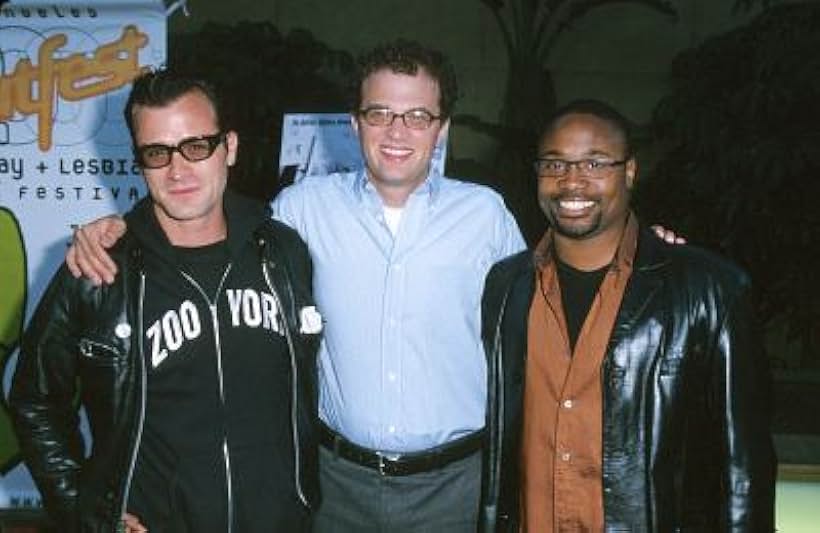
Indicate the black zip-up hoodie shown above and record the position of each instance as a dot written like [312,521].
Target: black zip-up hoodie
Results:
[253,379]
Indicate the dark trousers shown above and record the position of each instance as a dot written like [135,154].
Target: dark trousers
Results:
[356,499]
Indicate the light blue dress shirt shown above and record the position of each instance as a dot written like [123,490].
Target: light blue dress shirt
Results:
[401,366]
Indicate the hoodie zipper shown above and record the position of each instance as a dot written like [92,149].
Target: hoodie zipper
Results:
[212,305]
[294,373]
[143,388]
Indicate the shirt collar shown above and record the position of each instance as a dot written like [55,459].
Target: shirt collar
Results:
[624,255]
[430,187]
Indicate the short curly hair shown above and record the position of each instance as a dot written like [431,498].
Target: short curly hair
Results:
[407,57]
[596,108]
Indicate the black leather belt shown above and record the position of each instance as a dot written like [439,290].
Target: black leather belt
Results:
[401,464]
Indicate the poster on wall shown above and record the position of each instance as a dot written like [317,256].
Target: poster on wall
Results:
[65,153]
[317,144]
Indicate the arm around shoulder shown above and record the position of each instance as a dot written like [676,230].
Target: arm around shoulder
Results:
[88,256]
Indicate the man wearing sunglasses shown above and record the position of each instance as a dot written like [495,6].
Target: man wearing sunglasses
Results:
[400,256]
[196,365]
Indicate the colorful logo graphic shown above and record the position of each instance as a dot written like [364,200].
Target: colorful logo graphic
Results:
[12,311]
[42,75]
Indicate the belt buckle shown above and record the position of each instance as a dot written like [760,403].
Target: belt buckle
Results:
[389,465]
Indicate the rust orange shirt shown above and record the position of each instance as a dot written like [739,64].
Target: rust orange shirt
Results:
[562,488]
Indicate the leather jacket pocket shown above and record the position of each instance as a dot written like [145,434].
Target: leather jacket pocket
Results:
[99,352]
[671,364]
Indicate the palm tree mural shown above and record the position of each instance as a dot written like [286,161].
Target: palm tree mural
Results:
[530,30]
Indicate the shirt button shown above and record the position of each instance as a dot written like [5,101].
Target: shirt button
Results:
[567,404]
[565,456]
[391,376]
[391,429]
[397,266]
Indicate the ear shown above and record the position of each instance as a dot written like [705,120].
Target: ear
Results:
[232,143]
[631,168]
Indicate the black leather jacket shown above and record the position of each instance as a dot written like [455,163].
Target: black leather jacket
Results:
[75,346]
[686,397]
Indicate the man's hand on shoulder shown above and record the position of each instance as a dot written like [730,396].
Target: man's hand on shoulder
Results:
[132,524]
[87,256]
[668,235]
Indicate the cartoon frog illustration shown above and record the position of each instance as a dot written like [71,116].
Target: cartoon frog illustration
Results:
[12,311]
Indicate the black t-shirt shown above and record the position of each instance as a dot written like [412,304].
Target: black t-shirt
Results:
[578,289]
[217,424]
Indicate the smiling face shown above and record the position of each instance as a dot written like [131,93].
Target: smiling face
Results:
[586,207]
[187,195]
[398,158]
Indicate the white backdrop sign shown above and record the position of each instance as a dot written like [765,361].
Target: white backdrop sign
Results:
[65,154]
[323,143]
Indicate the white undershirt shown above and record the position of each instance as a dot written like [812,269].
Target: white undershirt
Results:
[392,216]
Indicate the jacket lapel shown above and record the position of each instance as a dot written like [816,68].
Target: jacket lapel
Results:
[643,286]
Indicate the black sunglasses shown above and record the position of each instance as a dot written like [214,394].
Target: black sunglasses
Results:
[191,148]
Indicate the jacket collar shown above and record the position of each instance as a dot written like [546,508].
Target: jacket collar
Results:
[624,258]
[644,284]
[243,216]
[650,255]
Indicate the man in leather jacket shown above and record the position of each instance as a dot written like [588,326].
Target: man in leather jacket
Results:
[196,367]
[627,387]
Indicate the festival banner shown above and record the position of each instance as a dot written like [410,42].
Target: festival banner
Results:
[65,153]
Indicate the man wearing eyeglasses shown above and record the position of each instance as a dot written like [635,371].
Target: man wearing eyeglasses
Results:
[400,255]
[196,365]
[632,394]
